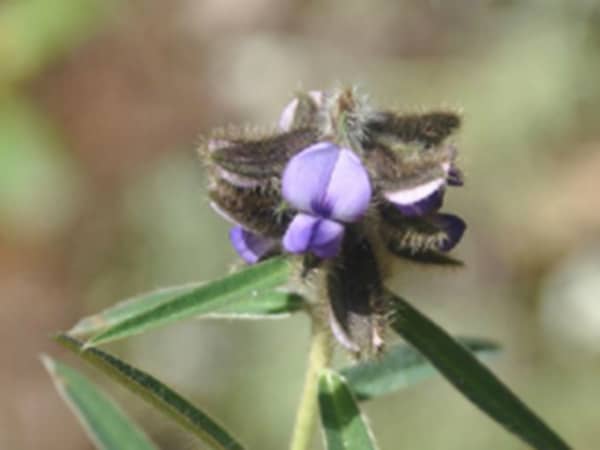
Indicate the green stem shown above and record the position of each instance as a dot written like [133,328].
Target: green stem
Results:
[318,359]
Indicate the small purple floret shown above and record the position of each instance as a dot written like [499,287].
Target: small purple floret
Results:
[250,246]
[431,203]
[454,227]
[420,199]
[328,185]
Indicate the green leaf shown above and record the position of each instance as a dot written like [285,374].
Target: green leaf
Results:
[473,379]
[35,32]
[104,422]
[129,308]
[399,367]
[166,400]
[345,428]
[32,155]
[252,292]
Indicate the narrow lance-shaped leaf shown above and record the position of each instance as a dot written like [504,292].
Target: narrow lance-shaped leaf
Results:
[255,290]
[345,428]
[399,367]
[157,394]
[104,422]
[129,308]
[272,304]
[473,379]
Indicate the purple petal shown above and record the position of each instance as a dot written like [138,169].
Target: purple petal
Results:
[453,226]
[306,176]
[250,246]
[327,181]
[309,233]
[349,190]
[428,204]
[287,116]
[410,196]
[299,233]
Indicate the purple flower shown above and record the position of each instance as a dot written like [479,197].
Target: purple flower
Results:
[428,196]
[453,227]
[418,200]
[250,246]
[329,186]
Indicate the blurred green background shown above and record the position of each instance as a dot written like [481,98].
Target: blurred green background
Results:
[102,197]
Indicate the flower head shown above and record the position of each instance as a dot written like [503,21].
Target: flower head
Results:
[306,189]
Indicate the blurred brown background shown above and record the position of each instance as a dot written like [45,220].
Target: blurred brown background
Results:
[101,197]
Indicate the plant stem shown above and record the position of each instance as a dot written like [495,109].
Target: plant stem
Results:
[318,359]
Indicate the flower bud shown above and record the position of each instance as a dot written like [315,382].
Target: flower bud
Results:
[246,160]
[302,111]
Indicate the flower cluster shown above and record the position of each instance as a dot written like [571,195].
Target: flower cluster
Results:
[334,181]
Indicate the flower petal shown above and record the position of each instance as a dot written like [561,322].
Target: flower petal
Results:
[349,190]
[410,196]
[327,239]
[250,246]
[298,236]
[309,233]
[426,205]
[327,181]
[454,228]
[306,176]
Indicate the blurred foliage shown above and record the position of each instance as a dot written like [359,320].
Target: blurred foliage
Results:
[104,422]
[31,158]
[35,32]
[101,196]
